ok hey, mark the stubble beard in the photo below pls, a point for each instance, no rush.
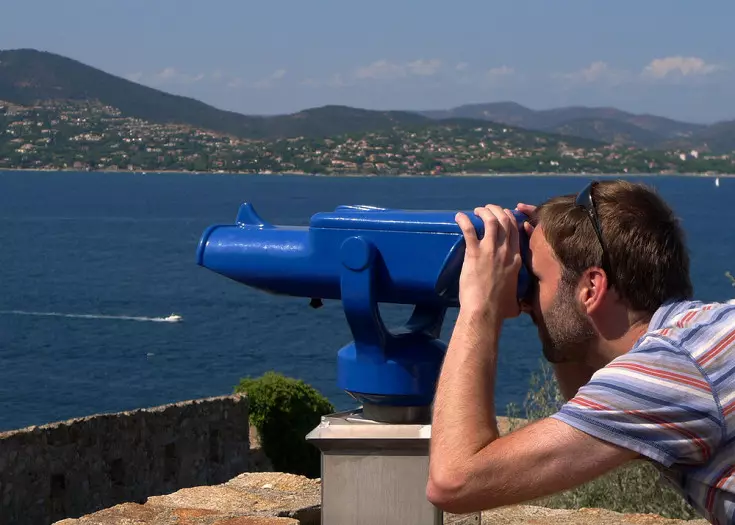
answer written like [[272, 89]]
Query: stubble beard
[[566, 333]]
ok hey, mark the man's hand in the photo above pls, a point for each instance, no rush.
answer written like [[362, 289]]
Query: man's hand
[[489, 277]]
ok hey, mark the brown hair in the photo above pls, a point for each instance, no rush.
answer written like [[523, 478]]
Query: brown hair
[[644, 241]]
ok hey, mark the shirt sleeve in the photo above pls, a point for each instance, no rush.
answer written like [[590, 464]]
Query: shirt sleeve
[[653, 400]]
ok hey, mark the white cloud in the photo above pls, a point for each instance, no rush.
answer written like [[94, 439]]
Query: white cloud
[[684, 66], [337, 80], [387, 70], [598, 71], [381, 69], [495, 77], [167, 76], [592, 73], [170, 75], [498, 72], [424, 68], [270, 80]]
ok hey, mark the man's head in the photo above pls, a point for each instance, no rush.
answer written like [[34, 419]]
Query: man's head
[[644, 264]]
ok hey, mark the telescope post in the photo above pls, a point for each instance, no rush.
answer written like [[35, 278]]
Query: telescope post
[[375, 460], [375, 473]]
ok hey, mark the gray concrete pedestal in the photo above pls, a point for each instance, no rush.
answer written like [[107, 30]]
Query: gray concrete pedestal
[[375, 473]]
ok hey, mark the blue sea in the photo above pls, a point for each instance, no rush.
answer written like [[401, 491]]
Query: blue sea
[[91, 264]]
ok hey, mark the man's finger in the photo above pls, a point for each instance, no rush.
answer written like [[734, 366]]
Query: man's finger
[[492, 228], [527, 209], [507, 223], [468, 231], [514, 235]]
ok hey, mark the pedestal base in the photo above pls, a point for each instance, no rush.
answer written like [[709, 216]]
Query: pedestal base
[[375, 473]]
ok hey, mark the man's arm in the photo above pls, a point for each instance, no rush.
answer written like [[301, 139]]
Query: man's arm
[[540, 459], [470, 467], [463, 421], [464, 406]]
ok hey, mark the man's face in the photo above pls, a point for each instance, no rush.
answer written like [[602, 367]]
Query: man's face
[[565, 331]]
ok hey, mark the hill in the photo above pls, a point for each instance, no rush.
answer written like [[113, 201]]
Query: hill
[[598, 123], [89, 135], [28, 76], [608, 130], [718, 138]]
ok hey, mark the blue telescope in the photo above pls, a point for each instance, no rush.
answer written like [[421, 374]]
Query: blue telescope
[[363, 256]]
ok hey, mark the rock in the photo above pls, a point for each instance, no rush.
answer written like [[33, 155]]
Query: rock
[[527, 514], [289, 499], [290, 496], [135, 514]]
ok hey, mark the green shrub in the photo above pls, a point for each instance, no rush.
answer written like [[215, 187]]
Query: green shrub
[[634, 488], [284, 410]]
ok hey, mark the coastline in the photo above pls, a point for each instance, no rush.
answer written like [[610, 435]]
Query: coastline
[[371, 175]]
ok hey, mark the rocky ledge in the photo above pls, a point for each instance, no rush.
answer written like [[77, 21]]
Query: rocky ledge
[[273, 498], [255, 498]]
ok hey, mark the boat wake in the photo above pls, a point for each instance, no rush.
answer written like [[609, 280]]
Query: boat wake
[[173, 318]]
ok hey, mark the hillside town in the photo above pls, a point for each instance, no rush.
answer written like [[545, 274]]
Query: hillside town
[[89, 136]]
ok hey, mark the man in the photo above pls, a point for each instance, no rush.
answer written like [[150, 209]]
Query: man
[[648, 373]]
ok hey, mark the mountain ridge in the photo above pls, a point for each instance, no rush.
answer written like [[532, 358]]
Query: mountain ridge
[[655, 129], [29, 76]]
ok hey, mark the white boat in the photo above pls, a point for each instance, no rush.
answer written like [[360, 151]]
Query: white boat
[[173, 318], [717, 182]]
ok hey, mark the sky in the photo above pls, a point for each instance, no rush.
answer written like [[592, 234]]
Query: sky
[[670, 58]]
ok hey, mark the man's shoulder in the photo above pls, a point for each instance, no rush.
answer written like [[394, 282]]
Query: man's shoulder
[[664, 361], [687, 351], [655, 369], [689, 326]]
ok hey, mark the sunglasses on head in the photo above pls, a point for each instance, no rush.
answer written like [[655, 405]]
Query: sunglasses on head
[[585, 201]]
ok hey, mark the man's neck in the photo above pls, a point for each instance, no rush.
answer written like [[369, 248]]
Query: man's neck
[[609, 349]]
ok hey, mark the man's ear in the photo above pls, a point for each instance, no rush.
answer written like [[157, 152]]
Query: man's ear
[[592, 289]]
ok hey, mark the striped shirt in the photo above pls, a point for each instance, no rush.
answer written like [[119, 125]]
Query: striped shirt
[[671, 398]]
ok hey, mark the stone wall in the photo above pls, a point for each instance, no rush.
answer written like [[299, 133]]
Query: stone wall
[[75, 467]]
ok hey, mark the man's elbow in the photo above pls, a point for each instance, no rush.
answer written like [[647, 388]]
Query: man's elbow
[[450, 491]]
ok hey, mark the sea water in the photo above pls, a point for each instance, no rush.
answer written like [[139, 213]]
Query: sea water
[[103, 308]]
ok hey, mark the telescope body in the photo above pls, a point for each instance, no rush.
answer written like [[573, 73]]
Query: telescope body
[[418, 259], [363, 256]]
